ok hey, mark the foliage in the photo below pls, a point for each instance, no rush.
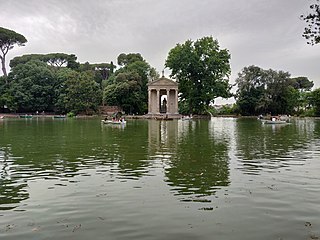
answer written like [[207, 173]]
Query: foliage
[[251, 97], [36, 86], [228, 110], [31, 86], [62, 76], [302, 83], [8, 39], [81, 93], [127, 88], [202, 69], [70, 115], [312, 31], [315, 101], [127, 59], [183, 108], [101, 71], [57, 60], [268, 91], [4, 98]]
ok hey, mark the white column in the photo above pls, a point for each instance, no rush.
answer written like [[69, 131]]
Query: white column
[[168, 102], [149, 101], [176, 110]]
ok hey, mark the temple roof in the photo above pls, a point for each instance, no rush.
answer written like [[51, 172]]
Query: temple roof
[[163, 82]]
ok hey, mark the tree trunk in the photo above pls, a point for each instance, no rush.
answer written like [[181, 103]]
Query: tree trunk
[[3, 63]]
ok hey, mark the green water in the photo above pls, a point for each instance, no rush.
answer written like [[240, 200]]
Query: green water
[[202, 179]]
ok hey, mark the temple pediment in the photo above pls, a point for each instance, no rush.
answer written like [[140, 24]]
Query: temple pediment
[[163, 82]]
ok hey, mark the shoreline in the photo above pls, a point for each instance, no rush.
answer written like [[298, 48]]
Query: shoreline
[[51, 115]]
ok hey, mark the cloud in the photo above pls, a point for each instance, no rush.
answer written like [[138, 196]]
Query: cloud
[[266, 33]]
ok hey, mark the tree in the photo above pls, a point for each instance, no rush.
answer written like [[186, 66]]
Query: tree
[[126, 59], [8, 39], [202, 70], [312, 31], [268, 91], [60, 88], [315, 101], [82, 93], [101, 71], [4, 98], [127, 87], [251, 97], [277, 92], [31, 86], [56, 60], [302, 83]]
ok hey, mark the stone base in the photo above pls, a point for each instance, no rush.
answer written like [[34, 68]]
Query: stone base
[[162, 115]]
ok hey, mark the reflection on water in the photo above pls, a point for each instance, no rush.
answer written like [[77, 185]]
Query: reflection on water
[[78, 178], [193, 154], [12, 190], [196, 162], [269, 147]]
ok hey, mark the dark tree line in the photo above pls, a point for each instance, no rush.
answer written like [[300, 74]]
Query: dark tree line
[[268, 91], [56, 82]]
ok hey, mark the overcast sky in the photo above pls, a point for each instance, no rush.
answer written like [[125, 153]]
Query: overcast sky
[[266, 33]]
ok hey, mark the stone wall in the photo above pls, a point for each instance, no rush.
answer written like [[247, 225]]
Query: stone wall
[[109, 110]]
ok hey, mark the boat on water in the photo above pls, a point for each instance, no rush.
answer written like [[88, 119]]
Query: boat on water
[[274, 122], [114, 122], [282, 119], [186, 118], [163, 118], [59, 116], [25, 116]]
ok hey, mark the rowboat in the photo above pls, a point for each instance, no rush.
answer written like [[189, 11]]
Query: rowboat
[[186, 118], [115, 122], [59, 116], [274, 122], [25, 116]]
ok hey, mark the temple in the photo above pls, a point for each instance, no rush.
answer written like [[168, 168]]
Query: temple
[[163, 97]]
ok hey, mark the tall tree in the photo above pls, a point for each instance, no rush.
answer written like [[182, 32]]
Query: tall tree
[[82, 93], [56, 60], [127, 87], [202, 70], [312, 30], [251, 96], [8, 39], [32, 87], [264, 91]]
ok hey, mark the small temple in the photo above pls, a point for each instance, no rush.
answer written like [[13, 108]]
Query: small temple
[[163, 98]]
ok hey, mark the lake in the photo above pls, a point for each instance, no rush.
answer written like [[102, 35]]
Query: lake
[[221, 178]]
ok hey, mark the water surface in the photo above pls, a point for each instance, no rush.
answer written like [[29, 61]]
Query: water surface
[[202, 179]]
